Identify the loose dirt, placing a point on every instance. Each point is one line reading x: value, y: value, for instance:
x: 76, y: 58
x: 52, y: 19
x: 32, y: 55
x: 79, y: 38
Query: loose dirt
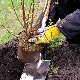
x: 65, y: 60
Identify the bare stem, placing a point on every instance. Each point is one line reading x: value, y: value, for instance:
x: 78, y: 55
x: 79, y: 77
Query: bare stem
x: 24, y: 17
x: 37, y: 25
x: 16, y: 12
x: 32, y: 18
x: 44, y: 11
x: 28, y: 16
x: 7, y: 30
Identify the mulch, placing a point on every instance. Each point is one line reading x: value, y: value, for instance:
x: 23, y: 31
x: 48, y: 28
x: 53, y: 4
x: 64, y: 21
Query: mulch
x: 65, y: 58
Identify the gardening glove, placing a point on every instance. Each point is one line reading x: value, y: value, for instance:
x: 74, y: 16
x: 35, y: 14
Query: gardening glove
x: 45, y: 36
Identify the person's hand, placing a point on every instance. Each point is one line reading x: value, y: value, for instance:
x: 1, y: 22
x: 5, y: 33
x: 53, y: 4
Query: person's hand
x: 45, y: 35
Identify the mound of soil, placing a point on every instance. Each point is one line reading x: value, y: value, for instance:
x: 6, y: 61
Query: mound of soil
x: 65, y: 59
x: 66, y: 62
x: 10, y: 67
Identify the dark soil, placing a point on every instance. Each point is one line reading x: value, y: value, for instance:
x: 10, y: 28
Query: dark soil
x: 10, y: 67
x: 65, y: 58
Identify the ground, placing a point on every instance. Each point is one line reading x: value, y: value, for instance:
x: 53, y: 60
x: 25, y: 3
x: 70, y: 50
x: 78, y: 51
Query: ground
x: 65, y: 60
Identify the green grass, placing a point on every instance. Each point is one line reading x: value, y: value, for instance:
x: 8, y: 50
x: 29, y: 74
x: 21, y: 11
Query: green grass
x: 6, y: 37
x: 9, y: 26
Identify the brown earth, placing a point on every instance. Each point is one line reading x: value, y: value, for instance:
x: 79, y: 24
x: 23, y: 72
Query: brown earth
x: 65, y: 59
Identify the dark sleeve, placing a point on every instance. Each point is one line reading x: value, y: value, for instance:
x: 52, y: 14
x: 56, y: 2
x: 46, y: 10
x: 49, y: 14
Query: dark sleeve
x: 70, y: 26
x: 53, y: 14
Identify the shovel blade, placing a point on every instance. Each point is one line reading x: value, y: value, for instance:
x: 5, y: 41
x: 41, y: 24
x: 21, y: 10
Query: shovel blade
x: 36, y: 71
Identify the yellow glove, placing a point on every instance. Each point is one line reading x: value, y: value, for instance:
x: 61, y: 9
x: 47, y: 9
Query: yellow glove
x: 50, y: 33
x: 46, y: 34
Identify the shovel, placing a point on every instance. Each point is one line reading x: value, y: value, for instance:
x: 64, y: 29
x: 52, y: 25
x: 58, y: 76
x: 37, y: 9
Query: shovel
x: 35, y: 71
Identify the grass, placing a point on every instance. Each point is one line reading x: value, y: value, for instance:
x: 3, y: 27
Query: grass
x: 9, y: 26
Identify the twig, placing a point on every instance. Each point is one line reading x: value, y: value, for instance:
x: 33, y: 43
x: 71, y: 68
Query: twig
x: 16, y: 12
x: 24, y: 17
x: 37, y: 25
x: 27, y: 19
x: 7, y: 30
x: 32, y: 19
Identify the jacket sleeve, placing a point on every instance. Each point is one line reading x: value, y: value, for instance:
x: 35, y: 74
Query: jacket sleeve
x: 70, y: 26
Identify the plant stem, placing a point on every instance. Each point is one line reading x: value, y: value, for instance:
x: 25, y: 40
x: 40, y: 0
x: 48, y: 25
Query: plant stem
x: 7, y: 30
x: 16, y: 12
x: 24, y: 17
x: 37, y: 25
x: 32, y: 19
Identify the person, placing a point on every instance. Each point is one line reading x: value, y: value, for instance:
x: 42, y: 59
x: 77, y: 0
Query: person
x: 69, y: 25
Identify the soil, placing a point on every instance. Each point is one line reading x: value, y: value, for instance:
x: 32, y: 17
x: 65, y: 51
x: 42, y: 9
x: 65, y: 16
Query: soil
x: 65, y: 60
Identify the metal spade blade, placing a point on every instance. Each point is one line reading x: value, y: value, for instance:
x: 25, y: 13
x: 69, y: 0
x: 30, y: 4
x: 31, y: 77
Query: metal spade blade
x: 35, y: 71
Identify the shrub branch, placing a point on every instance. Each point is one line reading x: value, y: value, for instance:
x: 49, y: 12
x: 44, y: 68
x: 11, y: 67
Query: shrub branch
x: 16, y: 12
